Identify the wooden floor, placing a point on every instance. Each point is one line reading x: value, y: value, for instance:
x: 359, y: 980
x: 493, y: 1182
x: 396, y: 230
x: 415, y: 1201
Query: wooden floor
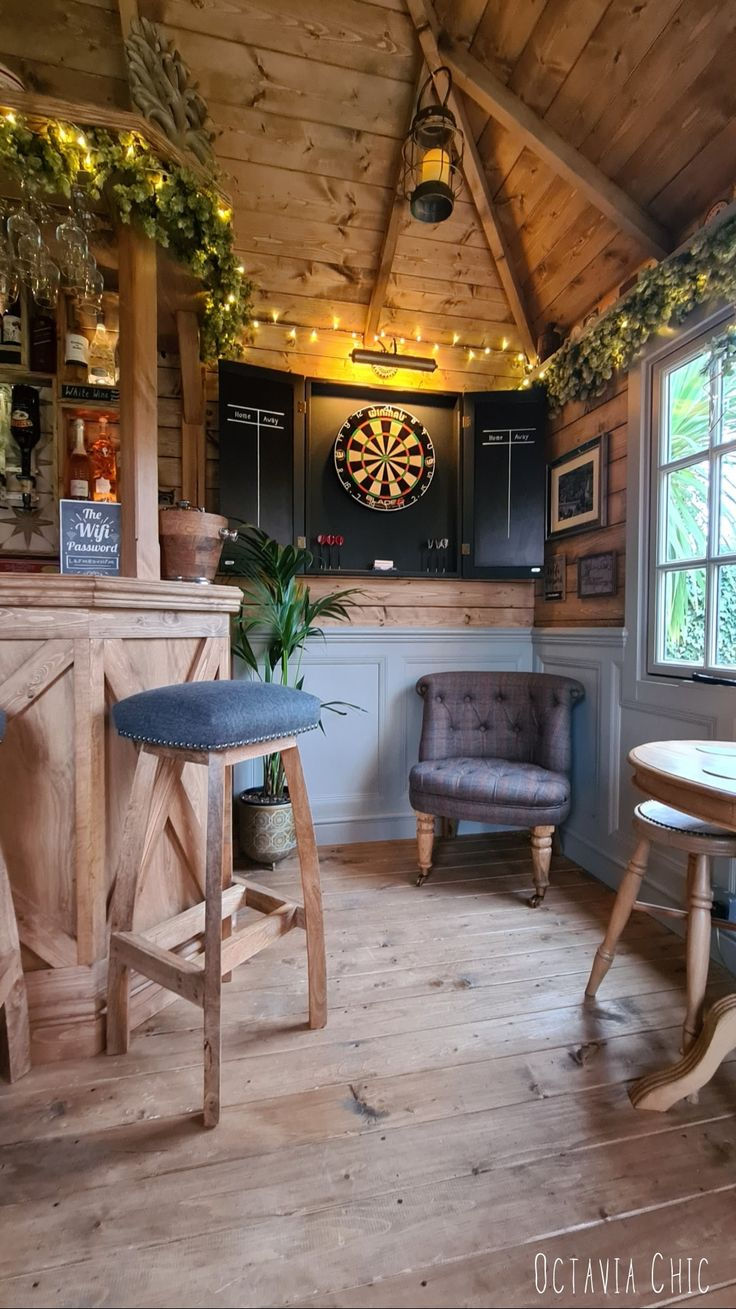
x: 462, y: 1113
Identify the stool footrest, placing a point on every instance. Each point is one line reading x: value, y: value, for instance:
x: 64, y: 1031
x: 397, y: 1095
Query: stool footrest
x: 190, y: 923
x: 255, y: 937
x: 665, y: 909
x: 183, y: 976
x: 148, y: 952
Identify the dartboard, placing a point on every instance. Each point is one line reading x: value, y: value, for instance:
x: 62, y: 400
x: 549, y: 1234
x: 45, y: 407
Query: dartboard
x: 384, y: 457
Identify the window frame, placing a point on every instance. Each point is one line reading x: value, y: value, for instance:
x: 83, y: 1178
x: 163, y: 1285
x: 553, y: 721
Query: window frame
x: 659, y: 469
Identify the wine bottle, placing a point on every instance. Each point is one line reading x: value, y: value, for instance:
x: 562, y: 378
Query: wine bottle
x: 79, y: 464
x: 11, y: 336
x: 42, y: 342
x: 25, y: 428
x: 103, y: 462
x: 76, y: 346
x: 102, y: 357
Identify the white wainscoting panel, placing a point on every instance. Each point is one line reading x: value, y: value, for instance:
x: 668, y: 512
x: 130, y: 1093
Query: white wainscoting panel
x: 621, y: 711
x: 357, y: 771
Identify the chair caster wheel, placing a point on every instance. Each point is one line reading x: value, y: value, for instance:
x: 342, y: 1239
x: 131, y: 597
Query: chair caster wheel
x: 422, y: 878
x: 536, y: 899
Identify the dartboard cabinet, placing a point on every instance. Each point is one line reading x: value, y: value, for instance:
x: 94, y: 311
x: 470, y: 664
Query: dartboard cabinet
x: 428, y: 482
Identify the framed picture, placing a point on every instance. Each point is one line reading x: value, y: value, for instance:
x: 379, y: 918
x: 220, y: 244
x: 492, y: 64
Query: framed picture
x: 577, y: 486
x: 554, y: 577
x: 597, y: 574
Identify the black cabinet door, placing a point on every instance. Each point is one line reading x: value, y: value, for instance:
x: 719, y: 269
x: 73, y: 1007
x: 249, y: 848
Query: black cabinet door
x: 262, y: 449
x: 503, y: 483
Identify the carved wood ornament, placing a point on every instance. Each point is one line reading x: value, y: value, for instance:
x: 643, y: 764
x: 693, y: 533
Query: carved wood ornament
x: 162, y: 89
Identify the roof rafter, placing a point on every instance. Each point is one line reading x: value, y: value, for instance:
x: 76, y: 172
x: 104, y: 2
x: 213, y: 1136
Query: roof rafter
x: 390, y: 237
x: 428, y: 32
x: 502, y: 104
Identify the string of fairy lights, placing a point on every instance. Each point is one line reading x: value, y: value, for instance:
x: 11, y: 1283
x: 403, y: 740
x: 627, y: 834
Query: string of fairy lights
x: 298, y: 333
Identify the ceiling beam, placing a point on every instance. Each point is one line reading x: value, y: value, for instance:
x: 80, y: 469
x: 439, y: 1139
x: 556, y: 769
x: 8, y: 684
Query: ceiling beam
x: 391, y: 235
x: 128, y: 13
x: 428, y: 31
x: 507, y: 108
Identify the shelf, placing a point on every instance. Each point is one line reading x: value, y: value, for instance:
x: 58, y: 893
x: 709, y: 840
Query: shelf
x: 16, y: 373
x: 347, y: 573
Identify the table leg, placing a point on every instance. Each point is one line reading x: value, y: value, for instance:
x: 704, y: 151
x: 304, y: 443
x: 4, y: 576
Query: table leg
x: 659, y: 1091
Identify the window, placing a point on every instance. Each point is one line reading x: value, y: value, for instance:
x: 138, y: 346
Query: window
x: 693, y: 592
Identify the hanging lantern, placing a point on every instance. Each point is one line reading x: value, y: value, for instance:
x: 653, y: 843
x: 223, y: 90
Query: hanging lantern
x: 433, y: 153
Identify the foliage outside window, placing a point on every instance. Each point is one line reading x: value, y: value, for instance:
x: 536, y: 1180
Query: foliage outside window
x: 693, y: 601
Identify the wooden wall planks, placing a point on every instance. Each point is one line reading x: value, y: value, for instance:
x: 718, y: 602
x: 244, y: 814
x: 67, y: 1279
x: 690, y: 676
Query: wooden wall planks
x: 437, y: 602
x: 576, y: 424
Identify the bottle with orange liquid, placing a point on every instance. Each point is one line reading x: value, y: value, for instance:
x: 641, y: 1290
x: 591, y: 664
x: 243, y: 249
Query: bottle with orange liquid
x: 104, y: 467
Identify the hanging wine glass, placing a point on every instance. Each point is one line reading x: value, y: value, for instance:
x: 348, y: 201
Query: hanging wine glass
x: 27, y: 257
x: 45, y: 282
x: 22, y: 227
x: 90, y: 295
x: 21, y: 222
x: 9, y: 281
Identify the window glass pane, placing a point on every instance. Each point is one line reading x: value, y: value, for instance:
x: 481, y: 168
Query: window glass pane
x: 727, y: 506
x: 688, y: 408
x: 728, y: 431
x: 726, y: 634
x: 686, y: 512
x: 684, y: 616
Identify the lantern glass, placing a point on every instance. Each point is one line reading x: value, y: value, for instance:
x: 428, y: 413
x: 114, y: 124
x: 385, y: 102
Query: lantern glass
x: 433, y: 155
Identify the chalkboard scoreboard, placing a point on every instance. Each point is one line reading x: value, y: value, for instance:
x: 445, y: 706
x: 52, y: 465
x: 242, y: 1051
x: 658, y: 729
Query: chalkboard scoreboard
x: 504, y: 483
x: 433, y: 483
x: 258, y: 407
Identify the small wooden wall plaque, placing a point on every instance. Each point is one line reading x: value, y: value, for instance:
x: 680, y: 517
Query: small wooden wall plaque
x: 597, y: 574
x: 555, y: 570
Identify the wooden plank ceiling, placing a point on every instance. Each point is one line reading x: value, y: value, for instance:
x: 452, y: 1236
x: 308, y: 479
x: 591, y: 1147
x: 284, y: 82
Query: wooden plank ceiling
x: 312, y: 99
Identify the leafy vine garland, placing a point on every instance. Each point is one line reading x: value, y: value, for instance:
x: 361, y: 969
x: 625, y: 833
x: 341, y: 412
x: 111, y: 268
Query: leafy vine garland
x: 166, y: 201
x: 664, y: 295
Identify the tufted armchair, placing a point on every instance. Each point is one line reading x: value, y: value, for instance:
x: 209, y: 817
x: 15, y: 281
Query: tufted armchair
x: 495, y: 748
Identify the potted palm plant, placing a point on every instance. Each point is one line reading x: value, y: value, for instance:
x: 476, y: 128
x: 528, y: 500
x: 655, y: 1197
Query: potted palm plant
x: 276, y: 619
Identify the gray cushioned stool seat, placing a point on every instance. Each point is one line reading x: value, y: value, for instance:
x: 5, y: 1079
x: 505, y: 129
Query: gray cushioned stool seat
x: 2, y: 723
x: 673, y: 820
x: 216, y: 715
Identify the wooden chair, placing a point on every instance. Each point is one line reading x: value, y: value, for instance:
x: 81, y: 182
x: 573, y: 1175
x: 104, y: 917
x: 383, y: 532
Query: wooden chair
x: 216, y: 725
x: 495, y: 748
x: 13, y: 998
x: 701, y: 842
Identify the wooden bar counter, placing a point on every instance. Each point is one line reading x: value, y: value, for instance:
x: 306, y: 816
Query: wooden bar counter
x: 70, y: 647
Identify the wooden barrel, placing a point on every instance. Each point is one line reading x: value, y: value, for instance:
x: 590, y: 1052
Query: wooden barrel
x: 191, y: 542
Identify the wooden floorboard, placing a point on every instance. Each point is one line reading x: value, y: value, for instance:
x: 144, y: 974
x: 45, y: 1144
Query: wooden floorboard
x: 462, y: 1113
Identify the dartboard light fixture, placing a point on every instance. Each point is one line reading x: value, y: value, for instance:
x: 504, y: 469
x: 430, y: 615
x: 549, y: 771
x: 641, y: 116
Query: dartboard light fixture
x: 391, y: 360
x: 384, y: 457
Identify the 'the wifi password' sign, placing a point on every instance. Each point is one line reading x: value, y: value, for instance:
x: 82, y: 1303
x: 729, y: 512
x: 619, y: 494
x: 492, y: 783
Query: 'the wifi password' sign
x: 89, y: 537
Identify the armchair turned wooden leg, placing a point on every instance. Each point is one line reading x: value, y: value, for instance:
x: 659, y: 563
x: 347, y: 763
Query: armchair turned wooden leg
x: 628, y: 893
x: 425, y: 845
x: 541, y: 856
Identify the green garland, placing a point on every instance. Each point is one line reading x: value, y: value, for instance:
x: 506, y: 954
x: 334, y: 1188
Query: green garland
x: 168, y: 202
x: 664, y: 295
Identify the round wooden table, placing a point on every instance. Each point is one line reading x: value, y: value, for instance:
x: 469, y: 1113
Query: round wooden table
x: 699, y: 778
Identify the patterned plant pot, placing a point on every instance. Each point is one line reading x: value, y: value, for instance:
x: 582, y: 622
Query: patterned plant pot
x: 266, y: 827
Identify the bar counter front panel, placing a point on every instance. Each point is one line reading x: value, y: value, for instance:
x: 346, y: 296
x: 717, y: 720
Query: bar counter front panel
x: 70, y: 647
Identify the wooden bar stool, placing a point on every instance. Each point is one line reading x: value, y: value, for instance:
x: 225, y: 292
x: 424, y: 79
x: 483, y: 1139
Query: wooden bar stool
x: 215, y: 724
x: 13, y: 998
x: 657, y: 823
